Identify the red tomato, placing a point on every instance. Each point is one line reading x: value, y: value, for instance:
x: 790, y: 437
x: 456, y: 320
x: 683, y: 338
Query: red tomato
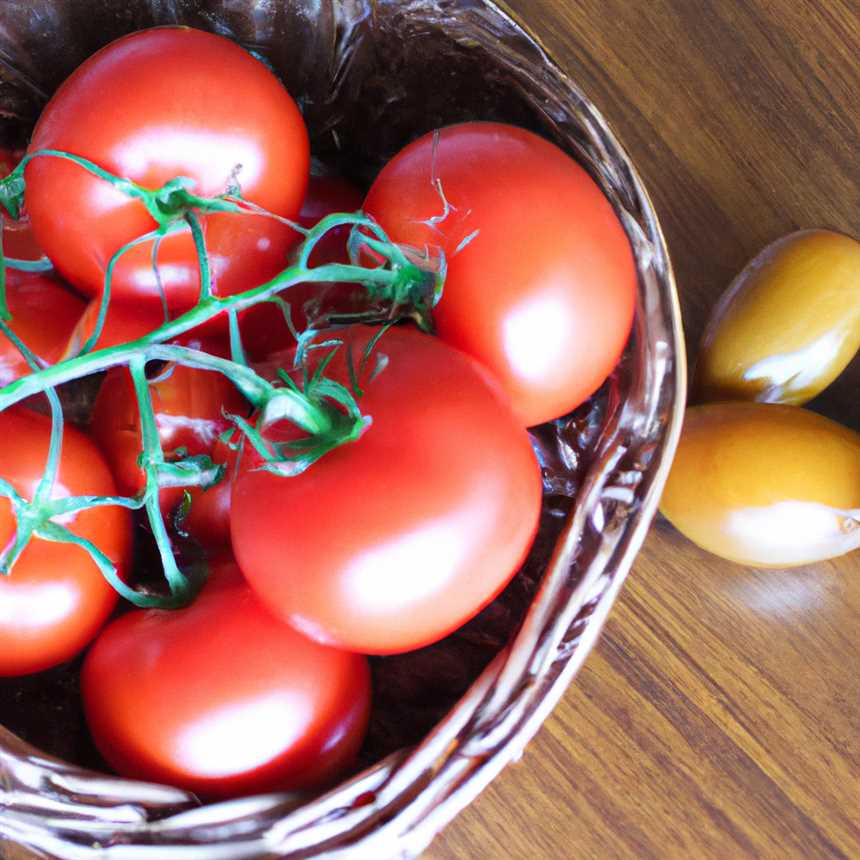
x: 125, y: 323
x: 543, y: 292
x: 152, y: 106
x: 208, y: 520
x: 43, y: 316
x: 223, y: 699
x: 19, y: 243
x: 391, y: 542
x: 122, y: 324
x: 188, y: 406
x: 326, y: 195
x: 9, y: 159
x: 18, y: 240
x: 263, y: 326
x: 55, y: 599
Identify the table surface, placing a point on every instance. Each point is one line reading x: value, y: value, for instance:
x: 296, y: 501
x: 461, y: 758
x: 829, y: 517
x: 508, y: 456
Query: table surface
x: 719, y: 716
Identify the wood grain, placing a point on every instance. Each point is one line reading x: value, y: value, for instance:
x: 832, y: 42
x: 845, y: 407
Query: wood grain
x: 720, y: 715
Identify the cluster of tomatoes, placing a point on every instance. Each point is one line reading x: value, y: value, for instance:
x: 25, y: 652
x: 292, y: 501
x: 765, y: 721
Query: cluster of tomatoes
x: 387, y: 543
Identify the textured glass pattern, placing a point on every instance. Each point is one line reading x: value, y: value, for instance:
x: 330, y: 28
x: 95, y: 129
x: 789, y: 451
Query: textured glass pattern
x: 371, y: 76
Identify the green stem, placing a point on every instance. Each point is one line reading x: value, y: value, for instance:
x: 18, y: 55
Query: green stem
x: 46, y: 484
x: 153, y: 457
x: 103, y: 359
x: 323, y: 408
x: 202, y: 256
x: 237, y: 350
x: 156, y: 245
x: 93, y: 339
x: 43, y: 264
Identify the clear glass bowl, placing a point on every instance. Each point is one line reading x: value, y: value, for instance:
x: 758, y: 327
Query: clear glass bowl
x: 371, y: 76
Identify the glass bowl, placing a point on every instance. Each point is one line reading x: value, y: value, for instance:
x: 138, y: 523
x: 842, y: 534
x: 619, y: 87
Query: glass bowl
x: 370, y: 76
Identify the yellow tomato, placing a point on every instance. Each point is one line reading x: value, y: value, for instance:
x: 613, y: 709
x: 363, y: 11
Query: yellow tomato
x: 765, y: 484
x: 787, y: 326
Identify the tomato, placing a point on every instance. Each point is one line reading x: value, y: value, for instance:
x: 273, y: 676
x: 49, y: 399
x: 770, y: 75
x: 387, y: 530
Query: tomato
x: 327, y: 194
x: 787, y: 326
x: 9, y: 159
x: 18, y: 240
x: 208, y: 519
x: 544, y: 289
x: 43, y: 316
x: 189, y: 406
x: 122, y: 324
x: 263, y: 326
x: 152, y: 106
x: 223, y: 699
x: 391, y: 542
x: 55, y: 599
x: 765, y: 484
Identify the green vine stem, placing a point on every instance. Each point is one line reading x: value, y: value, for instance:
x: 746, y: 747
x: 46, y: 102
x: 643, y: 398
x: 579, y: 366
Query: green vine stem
x: 326, y: 411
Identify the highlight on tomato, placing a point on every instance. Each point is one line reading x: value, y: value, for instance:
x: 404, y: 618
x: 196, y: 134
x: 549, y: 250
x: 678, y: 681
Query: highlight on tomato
x: 150, y: 107
x: 541, y: 280
x: 221, y: 698
x: 394, y: 540
x: 55, y: 599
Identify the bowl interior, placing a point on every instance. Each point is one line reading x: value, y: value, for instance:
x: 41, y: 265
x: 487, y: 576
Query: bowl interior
x: 371, y: 76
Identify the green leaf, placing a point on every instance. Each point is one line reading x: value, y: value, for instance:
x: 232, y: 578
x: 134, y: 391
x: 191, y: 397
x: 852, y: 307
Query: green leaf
x: 12, y: 194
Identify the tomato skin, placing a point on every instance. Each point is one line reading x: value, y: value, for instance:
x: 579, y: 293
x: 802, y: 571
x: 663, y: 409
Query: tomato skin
x: 327, y: 194
x: 151, y: 106
x: 221, y: 698
x: 122, y: 324
x: 44, y: 314
x: 263, y: 327
x: 189, y: 405
x: 55, y: 599
x: 391, y: 542
x: 208, y: 520
x: 544, y: 293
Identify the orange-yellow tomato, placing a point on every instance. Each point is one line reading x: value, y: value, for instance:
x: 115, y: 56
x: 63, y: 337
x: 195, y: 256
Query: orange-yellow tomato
x: 788, y: 325
x: 766, y: 485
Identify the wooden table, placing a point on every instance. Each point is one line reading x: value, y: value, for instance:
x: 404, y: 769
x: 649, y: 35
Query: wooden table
x: 719, y: 716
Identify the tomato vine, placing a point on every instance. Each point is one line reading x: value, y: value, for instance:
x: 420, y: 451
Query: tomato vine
x: 325, y: 410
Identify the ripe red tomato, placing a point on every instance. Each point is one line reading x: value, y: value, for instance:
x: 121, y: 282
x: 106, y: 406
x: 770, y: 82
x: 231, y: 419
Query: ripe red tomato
x: 391, y: 542
x: 208, y: 520
x: 43, y: 315
x: 263, y: 326
x: 122, y: 324
x: 327, y: 194
x: 189, y: 406
x: 152, y: 106
x: 18, y: 240
x: 223, y: 699
x: 543, y: 292
x: 55, y: 599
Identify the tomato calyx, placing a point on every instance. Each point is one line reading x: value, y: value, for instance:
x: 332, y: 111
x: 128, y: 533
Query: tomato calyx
x: 327, y: 410
x: 417, y: 285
